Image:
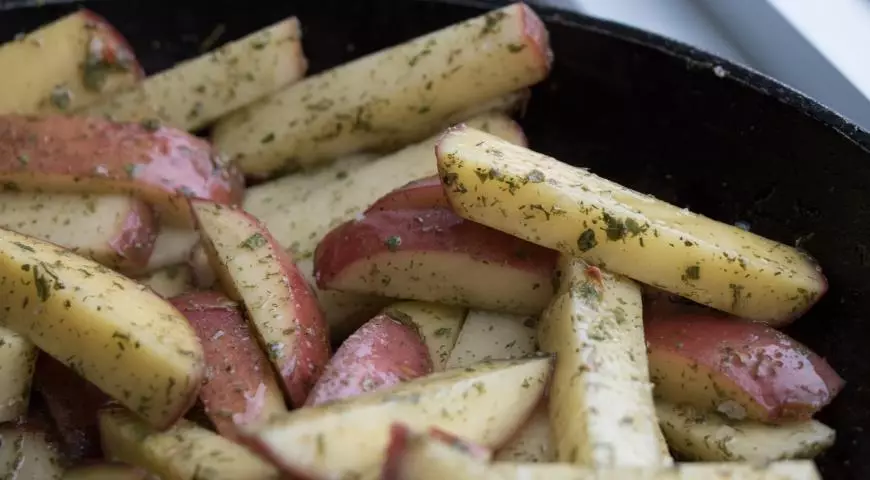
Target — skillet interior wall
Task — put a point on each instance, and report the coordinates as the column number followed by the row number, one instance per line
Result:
column 661, row 118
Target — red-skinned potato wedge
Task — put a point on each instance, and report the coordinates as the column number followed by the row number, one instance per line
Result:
column 431, row 457
column 105, row 471
column 240, row 387
column 485, row 404
column 65, row 65
column 416, row 195
column 434, row 255
column 28, row 451
column 113, row 331
column 254, row 269
column 382, row 353
column 118, row 231
column 160, row 165
column 73, row 404
column 184, row 451
column 741, row 369
column 438, row 325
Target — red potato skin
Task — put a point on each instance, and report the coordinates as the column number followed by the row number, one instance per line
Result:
column 300, row 371
column 136, row 242
column 789, row 381
column 538, row 37
column 90, row 155
column 382, row 353
column 73, row 403
column 433, row 229
column 236, row 366
column 115, row 45
column 417, row 195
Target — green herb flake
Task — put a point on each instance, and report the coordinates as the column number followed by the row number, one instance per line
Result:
column 443, row 332
column 393, row 243
column 150, row 124
column 23, row 159
column 253, row 242
column 692, row 273
column 60, row 97
column 24, row 247
column 269, row 138
column 516, row 47
column 586, row 241
column 492, row 22
column 536, row 176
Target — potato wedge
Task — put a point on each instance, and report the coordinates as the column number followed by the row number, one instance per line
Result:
column 73, row 404
column 17, row 361
column 419, row 194
column 105, row 471
column 356, row 106
column 26, row 452
column 487, row 335
column 254, row 269
column 240, row 388
column 434, row 255
column 601, row 404
column 198, row 91
column 65, row 65
column 116, row 230
column 533, row 441
column 744, row 370
column 183, row 452
column 299, row 221
column 109, row 329
column 428, row 457
column 438, row 325
column 537, row 198
column 172, row 247
column 382, row 353
column 485, row 404
column 162, row 166
column 706, row 436
column 170, row 281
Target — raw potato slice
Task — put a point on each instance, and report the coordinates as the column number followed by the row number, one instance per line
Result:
column 300, row 222
column 162, row 166
column 601, row 404
column 17, row 361
column 65, row 65
column 282, row 309
column 709, row 437
column 439, row 325
column 240, row 388
column 490, row 335
column 430, row 457
column 344, row 312
column 381, row 354
column 484, row 404
column 542, row 200
column 105, row 471
column 116, row 230
column 183, row 452
column 170, row 281
column 27, row 453
column 357, row 106
column 114, row 332
column 533, row 442
column 197, row 92
column 173, row 246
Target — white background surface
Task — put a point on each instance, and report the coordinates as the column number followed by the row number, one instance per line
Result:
column 816, row 46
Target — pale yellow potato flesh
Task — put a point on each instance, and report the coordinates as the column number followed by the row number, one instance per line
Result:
column 50, row 60
column 425, row 458
column 533, row 442
column 183, row 452
column 114, row 332
column 484, row 404
column 17, row 361
column 601, row 403
column 173, row 246
column 389, row 98
column 710, row 437
column 542, row 200
column 27, row 453
column 488, row 335
column 438, row 326
column 198, row 91
column 86, row 224
column 339, row 194
column 170, row 281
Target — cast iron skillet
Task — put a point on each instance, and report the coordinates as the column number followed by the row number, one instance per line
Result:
column 643, row 110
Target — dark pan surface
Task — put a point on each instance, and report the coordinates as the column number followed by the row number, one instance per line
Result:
column 649, row 113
